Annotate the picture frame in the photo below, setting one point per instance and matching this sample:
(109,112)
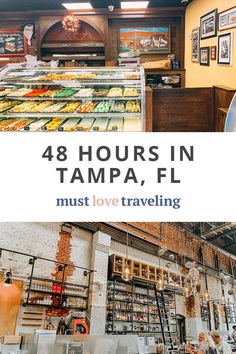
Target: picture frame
(225,46)
(13,43)
(205,56)
(196,45)
(213,52)
(227,19)
(208,24)
(145,40)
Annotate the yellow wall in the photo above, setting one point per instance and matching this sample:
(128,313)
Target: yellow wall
(204,76)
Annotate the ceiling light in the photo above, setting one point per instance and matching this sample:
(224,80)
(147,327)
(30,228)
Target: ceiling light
(77,5)
(134,4)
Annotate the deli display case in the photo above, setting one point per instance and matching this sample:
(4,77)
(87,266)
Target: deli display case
(72,99)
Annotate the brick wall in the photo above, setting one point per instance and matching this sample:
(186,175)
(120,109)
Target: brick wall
(178,241)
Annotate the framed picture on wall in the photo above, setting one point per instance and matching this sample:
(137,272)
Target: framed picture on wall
(213,52)
(13,43)
(225,49)
(146,40)
(196,45)
(205,56)
(208,24)
(227,19)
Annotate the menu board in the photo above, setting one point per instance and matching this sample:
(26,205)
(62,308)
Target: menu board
(12,43)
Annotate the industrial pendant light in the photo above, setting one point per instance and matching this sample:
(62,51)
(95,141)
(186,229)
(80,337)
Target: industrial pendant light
(187,290)
(8,281)
(126,273)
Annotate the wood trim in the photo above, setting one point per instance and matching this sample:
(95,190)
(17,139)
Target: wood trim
(149,109)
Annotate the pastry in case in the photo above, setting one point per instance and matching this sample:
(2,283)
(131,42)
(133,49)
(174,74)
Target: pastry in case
(50,93)
(115,92)
(100,125)
(18,124)
(5,105)
(118,107)
(115,124)
(65,93)
(86,92)
(70,107)
(35,93)
(7,91)
(24,107)
(19,93)
(100,93)
(41,106)
(86,107)
(5,122)
(54,124)
(70,124)
(55,107)
(132,107)
(84,125)
(130,92)
(37,125)
(102,107)
(132,125)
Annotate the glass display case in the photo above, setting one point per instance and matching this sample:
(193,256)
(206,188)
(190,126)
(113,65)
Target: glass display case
(72,99)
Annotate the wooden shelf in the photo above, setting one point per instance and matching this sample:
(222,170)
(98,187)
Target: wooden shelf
(73,45)
(73,57)
(57,294)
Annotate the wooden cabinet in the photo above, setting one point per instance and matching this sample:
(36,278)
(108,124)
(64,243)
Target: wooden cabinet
(143,271)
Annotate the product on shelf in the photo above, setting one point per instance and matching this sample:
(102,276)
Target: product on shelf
(35,93)
(54,124)
(100,125)
(130,92)
(102,107)
(100,93)
(7,91)
(70,124)
(24,107)
(85,92)
(115,92)
(5,105)
(70,107)
(86,107)
(133,107)
(65,93)
(67,76)
(38,124)
(20,92)
(115,124)
(132,77)
(18,124)
(56,107)
(41,106)
(5,122)
(84,125)
(118,107)
(132,125)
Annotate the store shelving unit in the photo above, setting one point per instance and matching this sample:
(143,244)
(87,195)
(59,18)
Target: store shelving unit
(95,108)
(138,309)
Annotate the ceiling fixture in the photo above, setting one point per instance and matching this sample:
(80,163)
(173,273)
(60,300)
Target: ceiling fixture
(126,273)
(8,281)
(134,4)
(77,5)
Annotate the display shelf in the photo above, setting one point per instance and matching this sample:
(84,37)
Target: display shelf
(144,272)
(121,90)
(57,294)
(58,282)
(125,317)
(55,306)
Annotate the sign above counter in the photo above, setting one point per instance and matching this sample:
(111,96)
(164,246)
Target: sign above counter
(12,43)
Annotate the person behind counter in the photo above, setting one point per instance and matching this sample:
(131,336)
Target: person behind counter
(204,346)
(234,334)
(221,346)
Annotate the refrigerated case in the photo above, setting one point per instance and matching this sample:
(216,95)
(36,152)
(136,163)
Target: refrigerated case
(77,99)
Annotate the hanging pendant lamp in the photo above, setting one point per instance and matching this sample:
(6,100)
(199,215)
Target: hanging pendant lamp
(126,273)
